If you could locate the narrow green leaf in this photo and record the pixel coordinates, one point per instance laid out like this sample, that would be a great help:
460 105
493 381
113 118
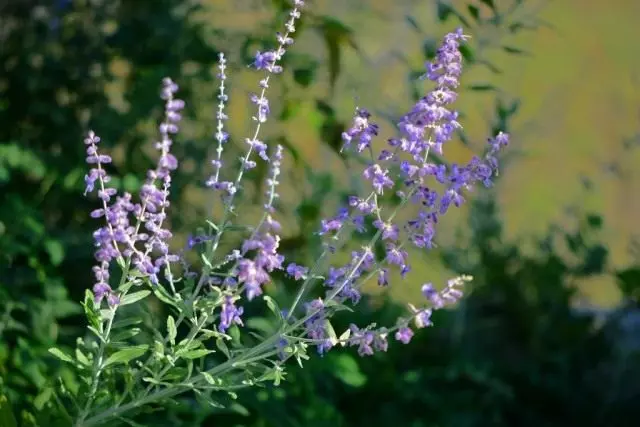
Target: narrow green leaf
126 355
331 333
208 378
6 414
234 331
125 322
151 381
212 225
205 260
171 329
42 398
60 355
344 337
127 285
134 297
260 324
273 306
125 334
196 354
222 346
239 409
82 358
161 294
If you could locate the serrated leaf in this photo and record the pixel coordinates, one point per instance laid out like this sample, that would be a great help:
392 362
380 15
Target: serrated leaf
61 355
171 330
134 297
126 355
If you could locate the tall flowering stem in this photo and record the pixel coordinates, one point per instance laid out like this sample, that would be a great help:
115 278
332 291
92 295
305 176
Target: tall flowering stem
267 61
118 238
212 304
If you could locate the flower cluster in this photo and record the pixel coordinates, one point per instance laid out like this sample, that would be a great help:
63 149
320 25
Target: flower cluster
404 165
212 300
124 239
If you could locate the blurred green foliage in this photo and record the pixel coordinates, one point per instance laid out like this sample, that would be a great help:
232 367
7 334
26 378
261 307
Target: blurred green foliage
514 353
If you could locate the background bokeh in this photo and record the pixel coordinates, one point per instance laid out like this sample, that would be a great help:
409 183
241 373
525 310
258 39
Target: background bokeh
549 334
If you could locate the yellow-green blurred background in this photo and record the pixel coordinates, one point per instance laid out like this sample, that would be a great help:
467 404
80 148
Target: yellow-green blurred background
579 87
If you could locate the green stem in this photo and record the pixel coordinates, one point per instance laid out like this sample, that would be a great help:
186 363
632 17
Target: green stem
179 388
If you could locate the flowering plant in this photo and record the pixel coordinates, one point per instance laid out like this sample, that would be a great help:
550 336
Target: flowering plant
123 372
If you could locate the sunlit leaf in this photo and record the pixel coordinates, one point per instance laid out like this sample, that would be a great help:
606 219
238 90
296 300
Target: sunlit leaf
126 355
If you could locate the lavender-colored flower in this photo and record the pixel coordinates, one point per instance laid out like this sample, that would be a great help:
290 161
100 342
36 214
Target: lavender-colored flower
296 271
362 129
315 327
264 60
380 342
230 314
390 231
254 273
363 338
379 178
432 295
383 277
404 334
422 318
